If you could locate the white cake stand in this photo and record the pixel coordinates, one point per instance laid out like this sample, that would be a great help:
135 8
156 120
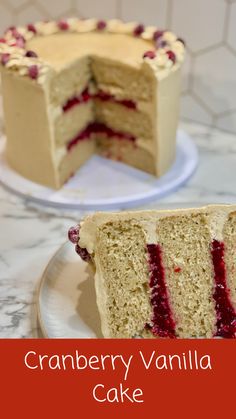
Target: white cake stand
103 184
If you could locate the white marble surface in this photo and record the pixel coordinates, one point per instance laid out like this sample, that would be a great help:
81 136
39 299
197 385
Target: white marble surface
29 236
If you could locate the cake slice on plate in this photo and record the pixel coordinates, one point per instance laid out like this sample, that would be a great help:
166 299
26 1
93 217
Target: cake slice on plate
163 273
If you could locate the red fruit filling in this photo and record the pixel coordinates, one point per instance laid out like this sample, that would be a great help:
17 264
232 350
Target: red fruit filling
225 313
85 96
162 323
98 128
128 103
73 235
76 100
2 41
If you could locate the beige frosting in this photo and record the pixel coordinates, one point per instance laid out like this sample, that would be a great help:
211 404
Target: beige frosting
56 44
217 215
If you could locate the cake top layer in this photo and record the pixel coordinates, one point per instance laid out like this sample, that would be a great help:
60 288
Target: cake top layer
88 227
66 47
39 50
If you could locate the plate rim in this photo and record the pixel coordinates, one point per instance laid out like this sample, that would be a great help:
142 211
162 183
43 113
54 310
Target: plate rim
111 203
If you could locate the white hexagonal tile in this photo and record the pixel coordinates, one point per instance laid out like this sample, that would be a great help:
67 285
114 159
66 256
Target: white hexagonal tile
232 26
149 12
199 22
186 72
6 19
191 110
215 79
227 122
54 7
30 14
104 9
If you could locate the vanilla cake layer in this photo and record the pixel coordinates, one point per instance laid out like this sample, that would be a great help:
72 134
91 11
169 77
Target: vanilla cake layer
119 118
126 151
68 124
163 273
75 158
58 61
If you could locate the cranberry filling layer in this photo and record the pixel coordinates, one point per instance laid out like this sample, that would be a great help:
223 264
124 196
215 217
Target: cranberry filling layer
85 96
163 324
98 128
225 313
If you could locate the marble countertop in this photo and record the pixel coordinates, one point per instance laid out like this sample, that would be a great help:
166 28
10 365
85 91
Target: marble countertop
30 235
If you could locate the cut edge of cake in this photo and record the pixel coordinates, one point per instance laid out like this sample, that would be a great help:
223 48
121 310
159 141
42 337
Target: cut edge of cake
163 273
45 111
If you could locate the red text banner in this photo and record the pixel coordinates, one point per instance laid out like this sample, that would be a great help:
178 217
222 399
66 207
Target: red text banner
117 378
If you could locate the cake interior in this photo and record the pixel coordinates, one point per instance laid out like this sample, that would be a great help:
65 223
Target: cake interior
167 277
100 100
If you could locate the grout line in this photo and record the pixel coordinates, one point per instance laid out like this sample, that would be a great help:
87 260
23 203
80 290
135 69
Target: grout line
226 113
41 9
202 103
229 48
208 49
226 22
118 9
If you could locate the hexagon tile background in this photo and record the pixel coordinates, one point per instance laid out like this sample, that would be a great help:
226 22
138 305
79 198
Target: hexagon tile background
208 27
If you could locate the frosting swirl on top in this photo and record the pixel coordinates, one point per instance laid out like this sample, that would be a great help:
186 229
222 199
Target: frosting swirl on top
166 50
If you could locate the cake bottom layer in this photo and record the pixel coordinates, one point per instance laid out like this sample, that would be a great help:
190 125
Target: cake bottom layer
127 152
75 158
100 139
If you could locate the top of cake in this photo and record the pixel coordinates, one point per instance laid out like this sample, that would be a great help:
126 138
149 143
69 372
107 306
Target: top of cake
40 50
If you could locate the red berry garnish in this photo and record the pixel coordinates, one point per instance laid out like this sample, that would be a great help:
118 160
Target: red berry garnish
149 54
83 253
31 54
5 58
101 24
138 30
73 234
171 56
31 28
33 72
63 25
2 41
11 28
161 43
157 34
20 42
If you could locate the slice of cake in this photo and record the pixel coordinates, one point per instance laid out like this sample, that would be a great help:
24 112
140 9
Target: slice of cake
77 87
163 273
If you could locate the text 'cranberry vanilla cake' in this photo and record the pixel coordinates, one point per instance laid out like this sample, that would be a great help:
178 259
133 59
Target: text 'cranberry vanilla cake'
77 87
163 273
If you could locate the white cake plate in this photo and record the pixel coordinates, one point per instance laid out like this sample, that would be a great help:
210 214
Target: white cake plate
103 184
66 301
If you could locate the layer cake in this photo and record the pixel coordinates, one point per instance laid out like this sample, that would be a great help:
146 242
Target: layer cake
75 87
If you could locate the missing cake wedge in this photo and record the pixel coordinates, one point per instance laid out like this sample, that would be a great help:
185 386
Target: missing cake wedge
168 274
